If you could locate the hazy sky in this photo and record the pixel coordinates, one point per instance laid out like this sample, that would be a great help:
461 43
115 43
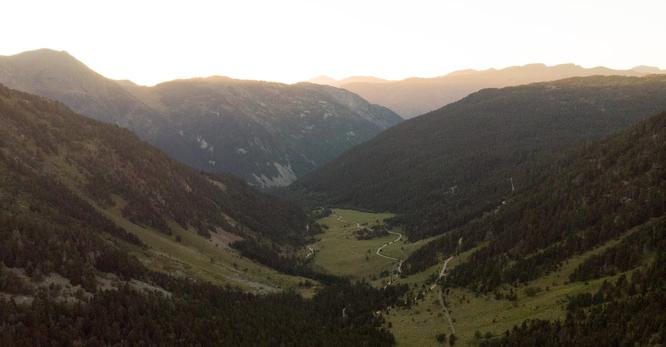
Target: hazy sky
290 40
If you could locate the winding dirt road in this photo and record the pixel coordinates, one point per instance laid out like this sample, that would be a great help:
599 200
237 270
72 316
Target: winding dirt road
442 273
379 250
399 267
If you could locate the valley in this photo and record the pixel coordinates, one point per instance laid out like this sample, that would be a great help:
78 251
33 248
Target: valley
475 284
576 233
170 177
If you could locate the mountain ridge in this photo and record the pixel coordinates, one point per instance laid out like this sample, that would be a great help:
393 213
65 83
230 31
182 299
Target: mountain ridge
297 127
414 96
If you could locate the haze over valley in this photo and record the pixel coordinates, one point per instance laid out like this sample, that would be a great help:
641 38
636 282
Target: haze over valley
417 95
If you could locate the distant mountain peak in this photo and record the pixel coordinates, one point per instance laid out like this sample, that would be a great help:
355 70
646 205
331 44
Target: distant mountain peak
415 96
46 55
46 52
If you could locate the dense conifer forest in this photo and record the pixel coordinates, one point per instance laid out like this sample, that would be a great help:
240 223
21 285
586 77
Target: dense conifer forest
200 314
594 194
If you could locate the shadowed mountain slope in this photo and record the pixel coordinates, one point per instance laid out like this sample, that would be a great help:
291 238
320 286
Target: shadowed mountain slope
449 166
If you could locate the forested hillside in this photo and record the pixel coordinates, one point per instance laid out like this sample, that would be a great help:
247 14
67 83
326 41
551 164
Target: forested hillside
68 271
443 169
592 195
200 314
588 241
112 167
64 177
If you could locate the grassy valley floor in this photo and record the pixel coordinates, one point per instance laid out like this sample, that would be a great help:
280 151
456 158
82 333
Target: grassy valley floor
339 252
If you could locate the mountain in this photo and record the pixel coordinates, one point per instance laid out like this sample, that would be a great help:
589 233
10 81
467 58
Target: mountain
267 133
128 247
447 167
60 165
415 96
58 75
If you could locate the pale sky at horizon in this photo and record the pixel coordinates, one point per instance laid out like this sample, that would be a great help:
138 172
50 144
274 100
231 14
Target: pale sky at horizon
293 40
